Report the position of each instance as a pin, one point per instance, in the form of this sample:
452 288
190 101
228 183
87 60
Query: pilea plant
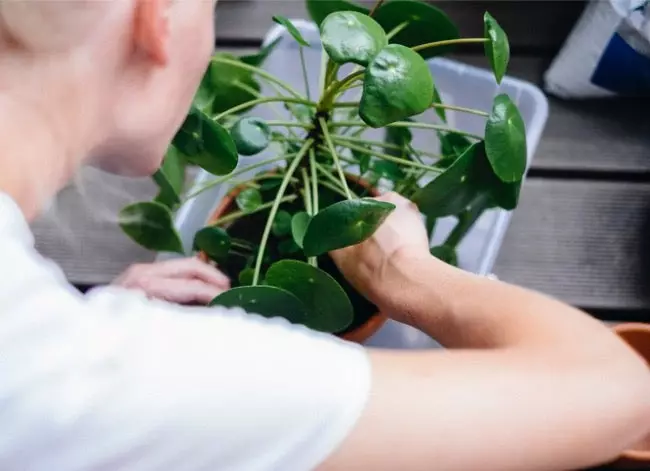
276 228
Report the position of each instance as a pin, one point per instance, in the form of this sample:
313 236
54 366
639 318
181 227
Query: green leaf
267 301
344 223
150 224
438 101
170 178
249 200
426 24
453 144
251 135
451 191
401 137
206 143
501 194
397 85
293 31
320 9
505 140
350 36
388 170
363 158
446 254
258 58
214 241
270 183
246 276
299 224
328 307
226 82
497 48
288 247
281 224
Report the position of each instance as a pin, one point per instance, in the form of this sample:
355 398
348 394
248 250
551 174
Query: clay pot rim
358 334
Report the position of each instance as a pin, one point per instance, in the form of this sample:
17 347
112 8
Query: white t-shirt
112 381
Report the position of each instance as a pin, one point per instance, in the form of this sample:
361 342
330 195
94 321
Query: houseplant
273 232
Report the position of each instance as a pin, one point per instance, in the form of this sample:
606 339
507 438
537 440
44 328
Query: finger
182 291
191 268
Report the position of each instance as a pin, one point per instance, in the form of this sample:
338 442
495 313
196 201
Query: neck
37 159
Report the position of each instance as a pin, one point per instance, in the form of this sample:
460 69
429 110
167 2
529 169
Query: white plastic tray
460 85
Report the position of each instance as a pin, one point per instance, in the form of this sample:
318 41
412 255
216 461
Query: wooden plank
581 241
541 25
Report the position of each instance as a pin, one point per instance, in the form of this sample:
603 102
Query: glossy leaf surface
328 307
397 85
214 241
344 223
250 135
497 47
267 301
505 140
150 224
299 224
349 36
249 200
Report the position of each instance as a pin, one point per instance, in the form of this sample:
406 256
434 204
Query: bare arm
532 384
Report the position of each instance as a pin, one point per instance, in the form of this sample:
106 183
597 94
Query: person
117 379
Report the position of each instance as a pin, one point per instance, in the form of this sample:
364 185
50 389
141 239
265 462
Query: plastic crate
458 84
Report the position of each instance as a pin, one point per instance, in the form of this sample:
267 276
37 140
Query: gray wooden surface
579 233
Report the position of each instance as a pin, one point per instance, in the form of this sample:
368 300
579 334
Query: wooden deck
581 229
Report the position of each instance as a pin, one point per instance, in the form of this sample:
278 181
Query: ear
151 29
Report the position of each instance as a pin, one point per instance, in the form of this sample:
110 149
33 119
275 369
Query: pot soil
637 336
367 318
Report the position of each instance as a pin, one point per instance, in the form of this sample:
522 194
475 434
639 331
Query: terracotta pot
359 334
637 336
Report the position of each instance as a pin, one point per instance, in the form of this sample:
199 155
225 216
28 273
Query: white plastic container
458 84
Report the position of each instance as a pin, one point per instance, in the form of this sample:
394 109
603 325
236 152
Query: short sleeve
117 382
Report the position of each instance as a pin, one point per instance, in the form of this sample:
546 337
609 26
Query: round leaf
251 135
497 48
150 224
344 223
446 254
388 170
281 224
501 194
350 36
230 85
397 85
249 200
206 143
451 191
328 307
400 137
426 24
246 276
267 301
293 31
505 140
170 178
214 241
299 224
320 9
288 247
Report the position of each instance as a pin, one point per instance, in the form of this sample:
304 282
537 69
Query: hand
402 234
182 281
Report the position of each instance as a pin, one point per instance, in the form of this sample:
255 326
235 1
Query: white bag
606 54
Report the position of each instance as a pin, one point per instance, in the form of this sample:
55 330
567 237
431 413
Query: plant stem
390 158
260 72
396 30
259 101
307 194
449 42
304 72
237 214
339 188
337 162
376 7
289 124
386 145
332 187
276 204
322 79
313 261
345 104
329 94
460 108
225 178
408 124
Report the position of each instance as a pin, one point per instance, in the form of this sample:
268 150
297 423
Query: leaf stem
225 178
385 145
390 158
332 187
313 261
376 7
337 162
290 124
307 191
461 109
237 214
304 72
449 42
408 124
276 204
259 101
329 94
260 72
339 188
397 29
